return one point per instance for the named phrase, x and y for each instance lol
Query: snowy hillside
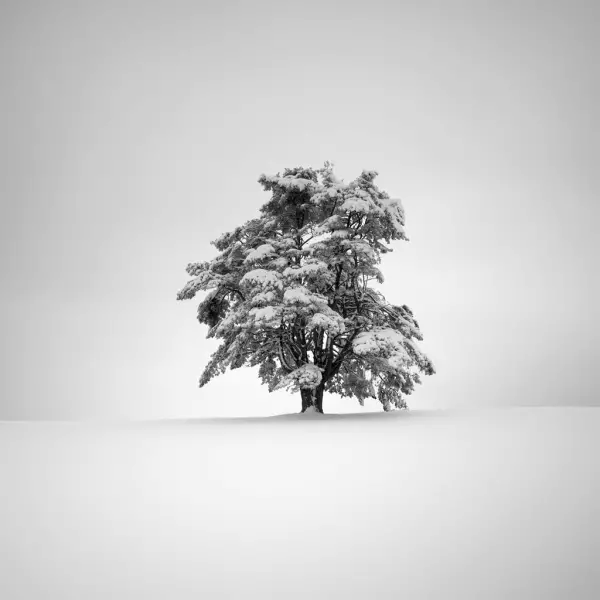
(498, 504)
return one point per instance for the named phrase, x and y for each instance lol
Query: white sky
(133, 133)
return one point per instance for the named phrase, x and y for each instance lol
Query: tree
(292, 292)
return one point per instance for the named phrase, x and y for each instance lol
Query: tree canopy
(293, 292)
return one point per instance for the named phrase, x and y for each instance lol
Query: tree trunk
(319, 398)
(312, 398)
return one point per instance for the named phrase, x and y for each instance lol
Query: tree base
(312, 409)
(312, 399)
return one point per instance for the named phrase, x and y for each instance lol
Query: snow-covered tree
(292, 292)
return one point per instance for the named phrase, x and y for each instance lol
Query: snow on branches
(306, 377)
(292, 292)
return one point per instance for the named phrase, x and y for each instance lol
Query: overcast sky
(133, 133)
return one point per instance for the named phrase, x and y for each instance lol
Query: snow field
(488, 504)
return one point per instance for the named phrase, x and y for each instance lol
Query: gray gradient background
(132, 133)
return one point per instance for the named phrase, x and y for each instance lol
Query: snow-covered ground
(455, 505)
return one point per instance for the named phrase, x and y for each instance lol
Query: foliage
(292, 292)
